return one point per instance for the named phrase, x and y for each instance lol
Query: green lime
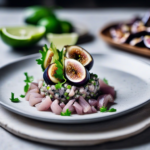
(62, 39)
(66, 26)
(34, 13)
(22, 36)
(51, 24)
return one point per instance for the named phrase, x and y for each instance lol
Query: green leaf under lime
(22, 36)
(62, 39)
(51, 24)
(34, 13)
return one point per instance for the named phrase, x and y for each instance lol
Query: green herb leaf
(15, 100)
(58, 86)
(22, 96)
(112, 110)
(28, 79)
(106, 81)
(67, 113)
(26, 88)
(68, 86)
(41, 60)
(103, 109)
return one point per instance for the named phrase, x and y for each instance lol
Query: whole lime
(34, 13)
(66, 26)
(51, 24)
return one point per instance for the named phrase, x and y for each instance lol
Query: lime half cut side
(22, 36)
(62, 39)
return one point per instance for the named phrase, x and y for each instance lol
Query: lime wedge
(22, 36)
(62, 39)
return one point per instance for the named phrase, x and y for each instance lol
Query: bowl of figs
(132, 35)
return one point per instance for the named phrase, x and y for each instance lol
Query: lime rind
(22, 36)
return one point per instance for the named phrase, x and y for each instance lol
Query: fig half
(79, 54)
(146, 40)
(48, 75)
(76, 73)
(137, 42)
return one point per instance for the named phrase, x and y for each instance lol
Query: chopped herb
(15, 100)
(67, 113)
(65, 93)
(48, 87)
(106, 81)
(103, 109)
(112, 110)
(67, 97)
(26, 88)
(88, 97)
(94, 83)
(51, 96)
(68, 86)
(28, 79)
(95, 75)
(43, 83)
(22, 96)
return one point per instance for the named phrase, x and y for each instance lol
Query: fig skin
(46, 76)
(137, 42)
(86, 74)
(89, 65)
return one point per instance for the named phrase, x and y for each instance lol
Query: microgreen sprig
(15, 100)
(106, 81)
(104, 109)
(67, 113)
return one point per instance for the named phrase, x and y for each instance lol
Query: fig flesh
(48, 75)
(79, 54)
(146, 40)
(76, 73)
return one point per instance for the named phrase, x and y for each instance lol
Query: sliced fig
(116, 32)
(79, 54)
(48, 75)
(138, 29)
(76, 73)
(137, 42)
(146, 19)
(126, 38)
(48, 58)
(146, 40)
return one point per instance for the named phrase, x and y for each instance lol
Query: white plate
(131, 79)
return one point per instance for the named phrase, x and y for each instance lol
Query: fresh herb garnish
(67, 113)
(26, 88)
(15, 100)
(104, 109)
(68, 86)
(112, 110)
(106, 81)
(22, 96)
(28, 79)
(41, 60)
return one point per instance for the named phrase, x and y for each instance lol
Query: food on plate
(67, 86)
(134, 32)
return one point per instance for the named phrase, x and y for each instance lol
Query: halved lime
(59, 40)
(22, 36)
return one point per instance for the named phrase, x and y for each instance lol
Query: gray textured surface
(94, 20)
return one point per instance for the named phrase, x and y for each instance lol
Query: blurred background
(76, 3)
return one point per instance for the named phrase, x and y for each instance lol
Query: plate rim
(126, 47)
(66, 120)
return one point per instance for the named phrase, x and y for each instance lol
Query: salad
(67, 86)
